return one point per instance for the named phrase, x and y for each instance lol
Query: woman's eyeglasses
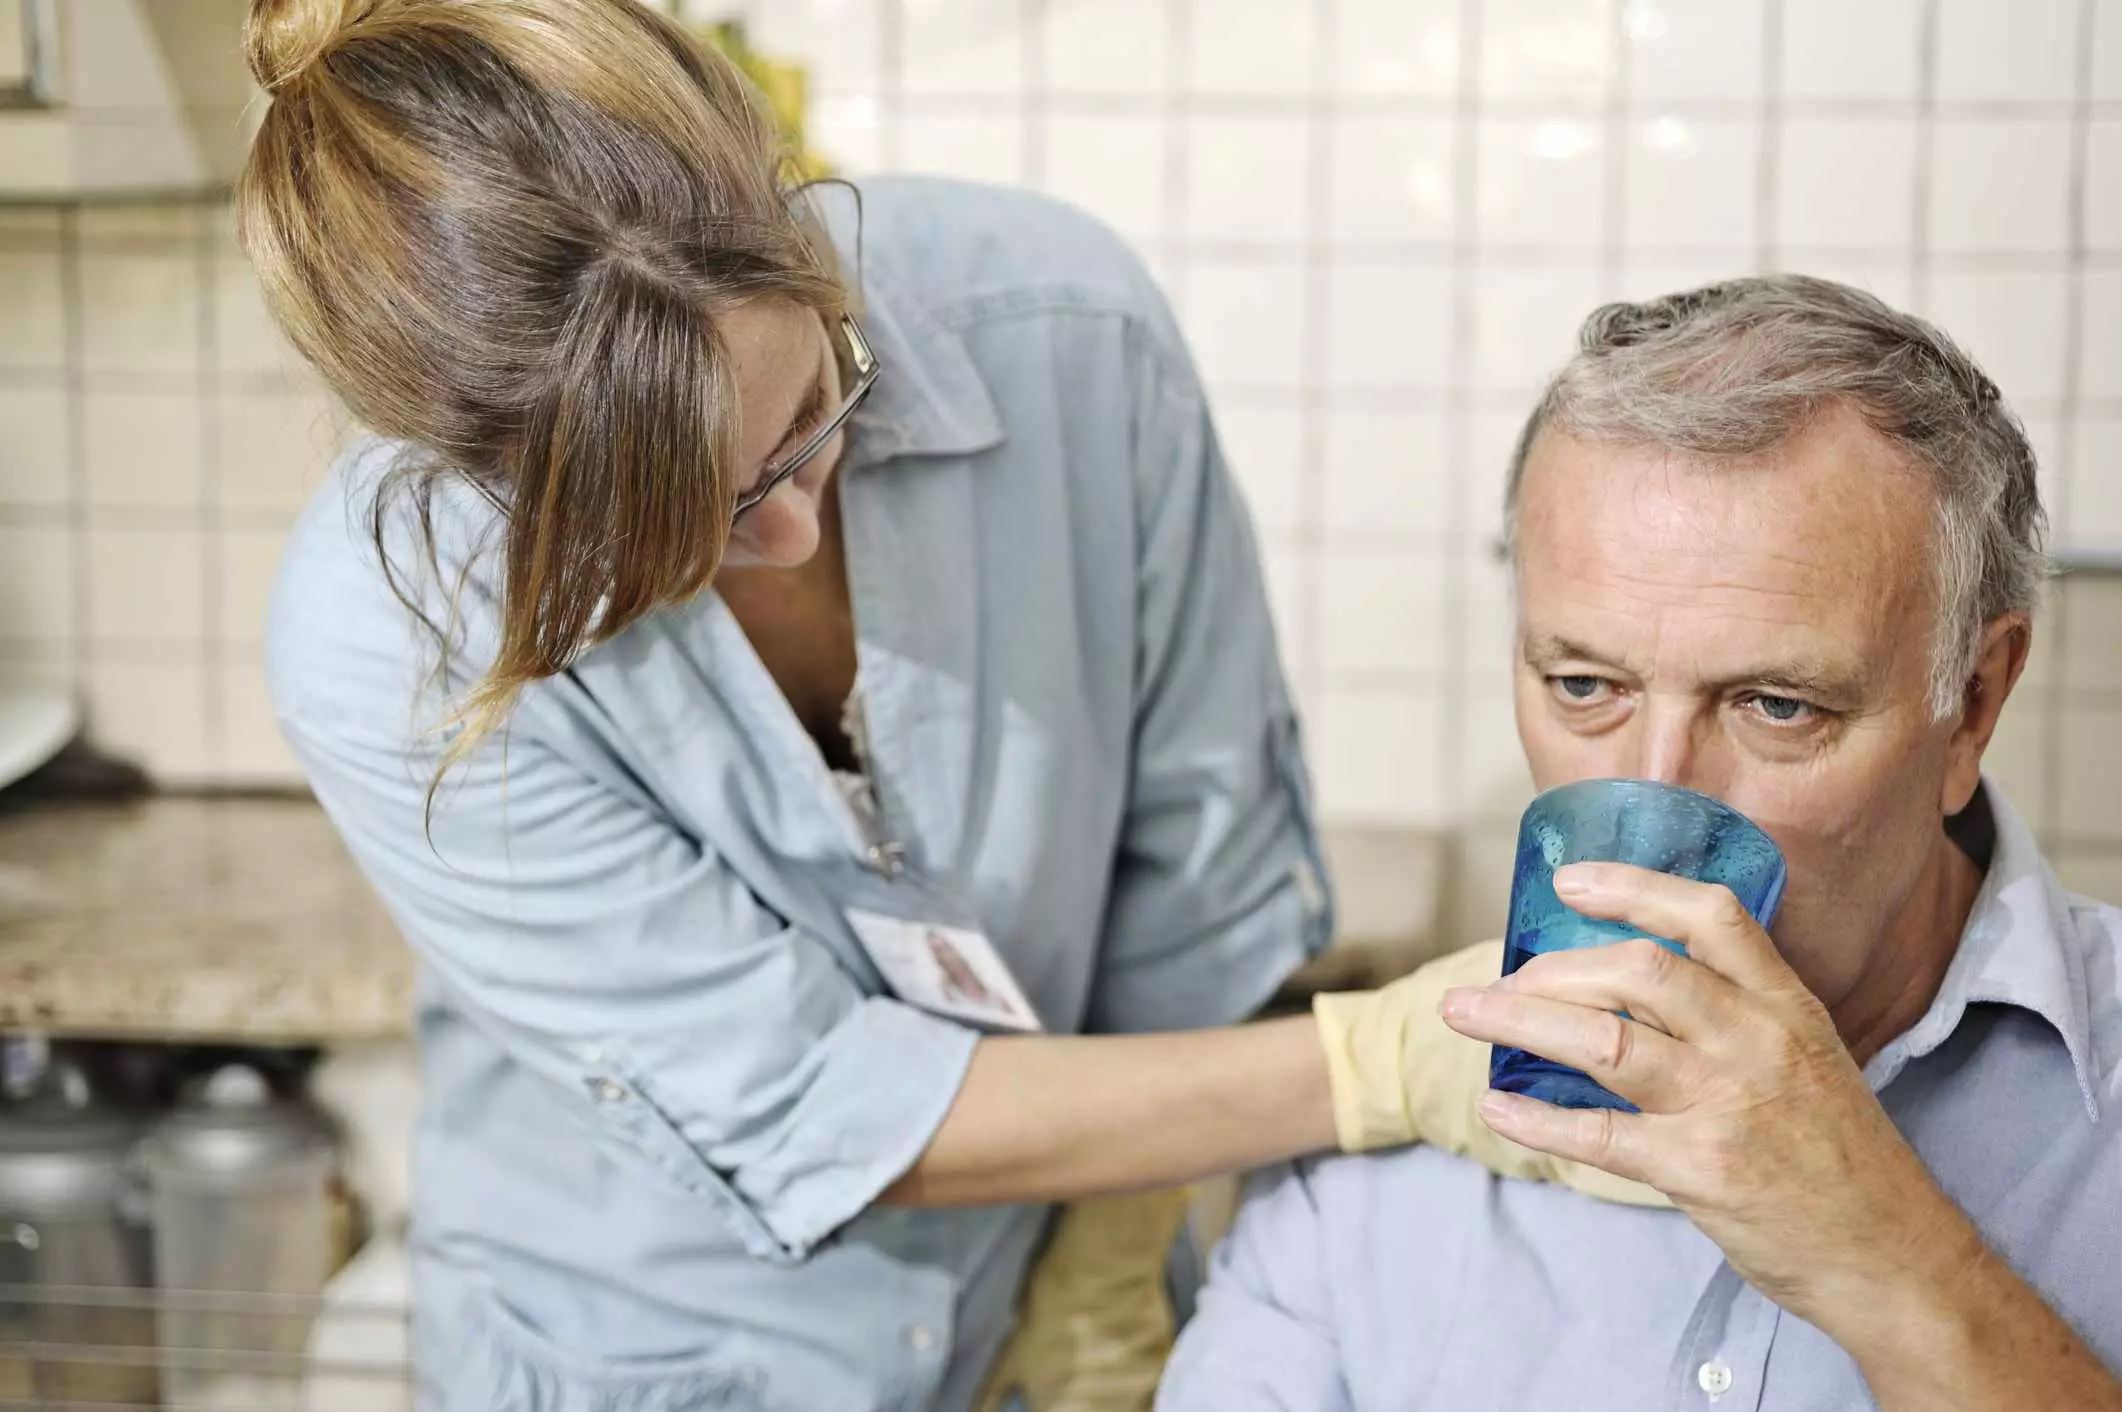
(862, 364)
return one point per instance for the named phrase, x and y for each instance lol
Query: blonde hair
(502, 232)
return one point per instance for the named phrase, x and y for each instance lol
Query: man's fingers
(1705, 918)
(1650, 1069)
(1651, 982)
(1605, 1138)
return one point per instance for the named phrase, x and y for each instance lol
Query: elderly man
(1777, 542)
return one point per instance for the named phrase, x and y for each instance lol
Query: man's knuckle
(1653, 962)
(1727, 911)
(1614, 1043)
(1596, 1134)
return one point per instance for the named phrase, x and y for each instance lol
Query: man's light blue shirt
(1417, 1280)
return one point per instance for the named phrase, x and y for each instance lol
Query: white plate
(34, 724)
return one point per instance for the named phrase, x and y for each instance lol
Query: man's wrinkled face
(1759, 631)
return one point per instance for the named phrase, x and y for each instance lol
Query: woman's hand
(1399, 1075)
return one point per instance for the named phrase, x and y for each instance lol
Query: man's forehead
(1819, 552)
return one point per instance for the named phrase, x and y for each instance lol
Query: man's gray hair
(1737, 368)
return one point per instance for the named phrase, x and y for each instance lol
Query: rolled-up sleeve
(1261, 1340)
(603, 948)
(1220, 890)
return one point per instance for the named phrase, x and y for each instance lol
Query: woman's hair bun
(284, 37)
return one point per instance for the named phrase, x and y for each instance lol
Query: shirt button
(1714, 1377)
(920, 1337)
(606, 1091)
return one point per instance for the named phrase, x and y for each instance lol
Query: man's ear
(2005, 643)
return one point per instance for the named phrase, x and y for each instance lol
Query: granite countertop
(235, 919)
(243, 919)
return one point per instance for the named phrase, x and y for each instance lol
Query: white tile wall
(1381, 221)
(2023, 51)
(1542, 182)
(1246, 179)
(34, 437)
(33, 313)
(1081, 57)
(1388, 324)
(1391, 180)
(1847, 183)
(1692, 181)
(982, 146)
(1693, 50)
(1832, 49)
(1398, 49)
(1246, 47)
(2000, 184)
(2099, 295)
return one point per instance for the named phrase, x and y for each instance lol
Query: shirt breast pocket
(489, 1358)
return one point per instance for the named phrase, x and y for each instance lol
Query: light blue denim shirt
(665, 1084)
(1418, 1281)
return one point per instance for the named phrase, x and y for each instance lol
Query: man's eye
(1783, 710)
(1579, 690)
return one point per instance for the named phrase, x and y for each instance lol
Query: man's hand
(1758, 1125)
(1755, 1121)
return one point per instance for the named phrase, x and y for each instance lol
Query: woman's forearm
(1050, 1118)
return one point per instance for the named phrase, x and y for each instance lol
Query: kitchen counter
(235, 919)
(243, 919)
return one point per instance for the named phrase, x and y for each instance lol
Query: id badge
(946, 970)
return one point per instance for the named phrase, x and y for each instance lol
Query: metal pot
(241, 1184)
(75, 1275)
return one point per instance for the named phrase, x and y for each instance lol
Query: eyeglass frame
(863, 361)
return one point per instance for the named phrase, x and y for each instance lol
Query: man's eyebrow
(1800, 676)
(1544, 648)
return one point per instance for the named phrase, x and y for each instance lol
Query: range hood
(121, 99)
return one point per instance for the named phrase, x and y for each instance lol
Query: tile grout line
(1927, 39)
(214, 538)
(2052, 706)
(1768, 170)
(1178, 29)
(73, 333)
(891, 82)
(1459, 407)
(1313, 345)
(1613, 191)
(1081, 103)
(1035, 103)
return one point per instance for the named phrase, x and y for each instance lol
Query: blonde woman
(740, 584)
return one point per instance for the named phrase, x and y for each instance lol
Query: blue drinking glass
(1657, 826)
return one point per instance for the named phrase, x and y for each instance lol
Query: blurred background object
(1380, 221)
(785, 86)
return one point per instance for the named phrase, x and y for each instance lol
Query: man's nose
(1673, 746)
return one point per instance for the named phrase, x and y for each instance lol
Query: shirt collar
(2019, 948)
(929, 399)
